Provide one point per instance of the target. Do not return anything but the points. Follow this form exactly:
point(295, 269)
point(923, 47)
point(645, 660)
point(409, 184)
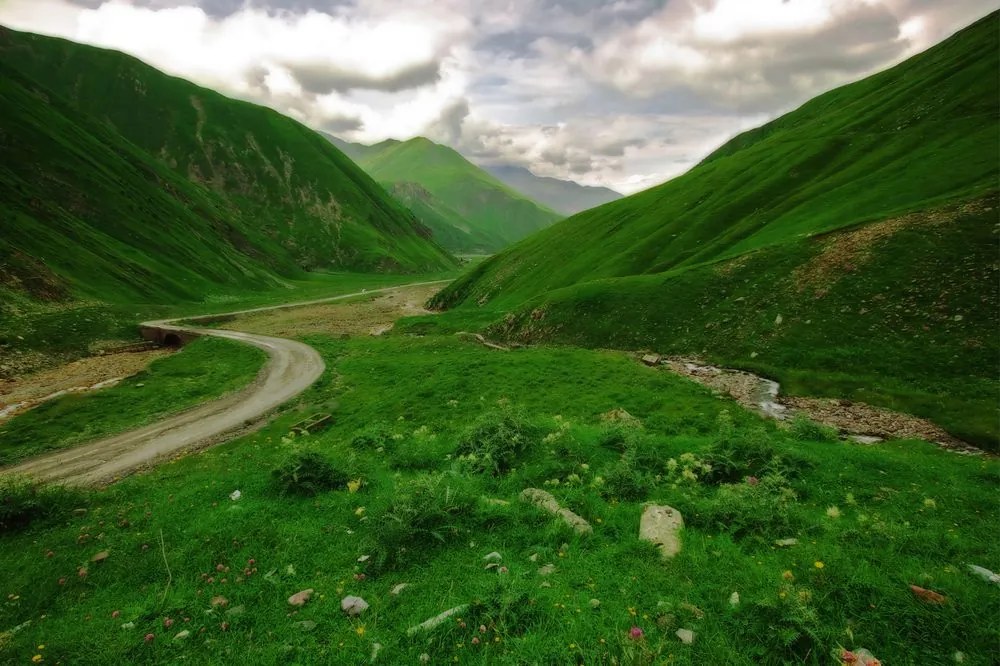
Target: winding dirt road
point(292, 367)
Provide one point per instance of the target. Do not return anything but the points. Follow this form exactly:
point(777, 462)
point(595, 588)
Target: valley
point(275, 388)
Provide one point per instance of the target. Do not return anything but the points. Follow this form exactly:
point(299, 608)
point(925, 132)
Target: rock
point(661, 525)
point(651, 359)
point(619, 415)
point(376, 648)
point(300, 598)
point(734, 599)
point(364, 558)
point(686, 636)
point(398, 588)
point(785, 543)
point(547, 502)
point(217, 602)
point(984, 573)
point(182, 635)
point(778, 320)
point(128, 626)
point(353, 606)
point(100, 557)
point(547, 570)
point(865, 439)
point(79, 512)
point(928, 596)
point(236, 610)
point(306, 625)
point(493, 557)
point(595, 603)
point(433, 622)
point(533, 557)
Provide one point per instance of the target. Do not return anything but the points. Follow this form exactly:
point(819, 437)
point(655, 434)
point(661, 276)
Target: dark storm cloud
point(324, 79)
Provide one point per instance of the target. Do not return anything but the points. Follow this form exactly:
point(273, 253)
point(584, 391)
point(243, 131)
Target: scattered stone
point(433, 622)
point(785, 543)
point(353, 606)
point(533, 557)
point(619, 415)
point(306, 625)
point(376, 648)
point(100, 557)
point(128, 626)
point(79, 512)
point(865, 439)
point(734, 599)
point(595, 603)
point(395, 591)
point(547, 502)
point(651, 359)
point(182, 635)
point(217, 602)
point(236, 610)
point(300, 598)
point(686, 636)
point(547, 570)
point(364, 558)
point(235, 495)
point(778, 320)
point(984, 573)
point(493, 557)
point(661, 525)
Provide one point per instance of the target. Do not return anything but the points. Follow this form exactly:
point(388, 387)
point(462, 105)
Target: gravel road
point(292, 367)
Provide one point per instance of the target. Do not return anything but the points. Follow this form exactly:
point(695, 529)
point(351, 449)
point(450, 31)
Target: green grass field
point(870, 521)
point(203, 370)
point(847, 249)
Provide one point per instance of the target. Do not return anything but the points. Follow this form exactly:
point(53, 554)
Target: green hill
point(495, 215)
point(120, 183)
point(563, 196)
point(866, 219)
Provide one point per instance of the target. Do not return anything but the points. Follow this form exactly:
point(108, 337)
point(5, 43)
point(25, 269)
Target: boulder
point(651, 359)
point(353, 606)
point(661, 525)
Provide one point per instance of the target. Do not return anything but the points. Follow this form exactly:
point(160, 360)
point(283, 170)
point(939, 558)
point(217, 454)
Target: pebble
point(353, 606)
point(398, 588)
point(181, 635)
point(300, 598)
point(686, 636)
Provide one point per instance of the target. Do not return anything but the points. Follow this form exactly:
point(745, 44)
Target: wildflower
point(930, 504)
point(818, 564)
point(360, 630)
point(37, 659)
point(353, 486)
point(671, 465)
point(149, 638)
point(167, 622)
point(788, 575)
point(360, 511)
point(833, 512)
point(689, 475)
point(636, 634)
point(482, 628)
point(475, 640)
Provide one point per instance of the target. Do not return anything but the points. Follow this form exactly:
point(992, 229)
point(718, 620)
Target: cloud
point(623, 93)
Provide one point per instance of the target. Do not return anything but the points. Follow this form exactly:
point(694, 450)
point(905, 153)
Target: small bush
point(376, 436)
point(425, 511)
point(308, 473)
point(619, 436)
point(760, 506)
point(23, 502)
point(496, 441)
point(805, 429)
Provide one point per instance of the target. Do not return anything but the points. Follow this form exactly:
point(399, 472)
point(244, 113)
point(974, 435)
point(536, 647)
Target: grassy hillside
point(120, 183)
point(905, 312)
point(448, 228)
point(494, 214)
point(563, 196)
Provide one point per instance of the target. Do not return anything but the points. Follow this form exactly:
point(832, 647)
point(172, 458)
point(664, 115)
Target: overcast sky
point(623, 93)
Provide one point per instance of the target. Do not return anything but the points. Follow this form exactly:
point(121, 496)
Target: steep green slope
point(448, 228)
point(495, 214)
point(563, 196)
point(153, 179)
point(715, 252)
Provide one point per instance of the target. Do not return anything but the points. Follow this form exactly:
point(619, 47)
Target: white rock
point(547, 570)
point(398, 588)
point(181, 635)
point(545, 501)
point(734, 599)
point(353, 606)
point(493, 557)
point(984, 573)
point(661, 525)
point(785, 543)
point(686, 636)
point(235, 495)
point(433, 622)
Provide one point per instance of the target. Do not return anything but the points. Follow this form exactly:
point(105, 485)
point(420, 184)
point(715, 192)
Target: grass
point(905, 513)
point(205, 369)
point(865, 219)
point(128, 185)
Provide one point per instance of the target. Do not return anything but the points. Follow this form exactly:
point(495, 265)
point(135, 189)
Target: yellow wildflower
point(818, 564)
point(354, 485)
point(360, 630)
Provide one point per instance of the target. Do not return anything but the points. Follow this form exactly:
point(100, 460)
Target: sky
point(620, 93)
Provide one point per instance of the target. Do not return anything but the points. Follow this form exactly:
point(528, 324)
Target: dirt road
point(291, 368)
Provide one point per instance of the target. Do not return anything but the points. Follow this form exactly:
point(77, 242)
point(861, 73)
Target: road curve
point(291, 368)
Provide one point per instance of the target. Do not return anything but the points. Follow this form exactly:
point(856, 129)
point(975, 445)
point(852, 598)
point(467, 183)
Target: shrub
point(753, 506)
point(307, 473)
point(23, 502)
point(375, 436)
point(496, 441)
point(425, 511)
point(619, 435)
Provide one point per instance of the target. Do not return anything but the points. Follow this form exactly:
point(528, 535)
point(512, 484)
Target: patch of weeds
point(505, 610)
point(620, 435)
point(306, 472)
point(496, 441)
point(425, 511)
point(626, 480)
point(736, 455)
point(377, 436)
point(23, 502)
point(805, 429)
point(755, 506)
point(421, 450)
